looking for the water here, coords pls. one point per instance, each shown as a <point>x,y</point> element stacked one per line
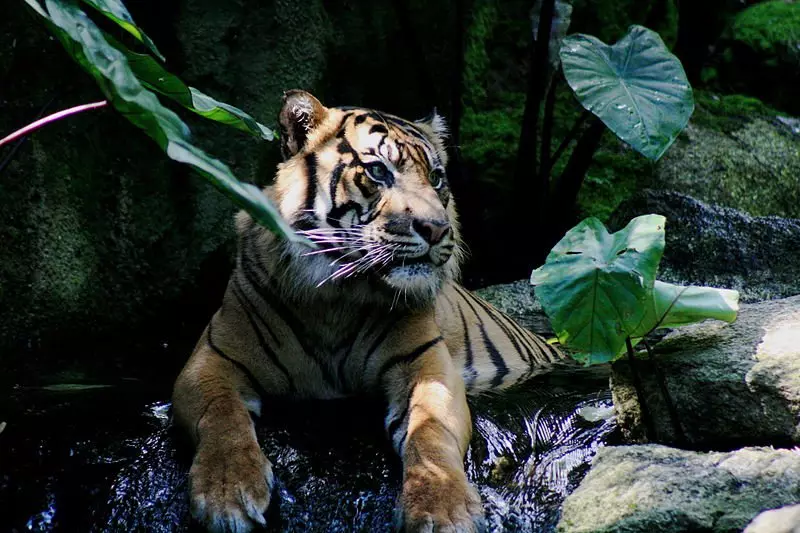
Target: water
<point>106,459</point>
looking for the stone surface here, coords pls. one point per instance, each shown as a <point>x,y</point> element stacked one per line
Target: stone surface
<point>731,384</point>
<point>633,489</point>
<point>736,155</point>
<point>783,520</point>
<point>721,247</point>
<point>518,301</point>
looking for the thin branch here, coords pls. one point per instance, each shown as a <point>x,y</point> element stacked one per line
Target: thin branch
<point>33,126</point>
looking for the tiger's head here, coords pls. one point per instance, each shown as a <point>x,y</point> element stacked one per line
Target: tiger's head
<point>370,190</point>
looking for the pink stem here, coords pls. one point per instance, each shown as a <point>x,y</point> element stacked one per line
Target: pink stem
<point>51,118</point>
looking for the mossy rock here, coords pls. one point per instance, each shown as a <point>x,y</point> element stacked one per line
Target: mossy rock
<point>736,153</point>
<point>761,55</point>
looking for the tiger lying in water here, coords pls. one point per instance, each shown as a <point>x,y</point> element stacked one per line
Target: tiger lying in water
<point>375,309</point>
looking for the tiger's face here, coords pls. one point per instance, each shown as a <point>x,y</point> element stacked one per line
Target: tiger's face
<point>370,190</point>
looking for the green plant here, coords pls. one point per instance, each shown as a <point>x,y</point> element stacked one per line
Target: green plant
<point>636,88</point>
<point>602,296</point>
<point>129,82</point>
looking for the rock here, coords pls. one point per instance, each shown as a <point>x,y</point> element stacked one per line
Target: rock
<point>731,384</point>
<point>783,520</point>
<point>761,56</point>
<point>518,301</point>
<point>737,153</point>
<point>632,489</point>
<point>721,247</point>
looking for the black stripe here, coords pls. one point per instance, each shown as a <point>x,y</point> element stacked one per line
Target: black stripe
<point>497,359</point>
<point>238,287</point>
<point>284,313</point>
<point>378,341</point>
<point>247,307</point>
<point>311,186</point>
<point>336,175</point>
<point>249,375</point>
<point>378,128</point>
<point>408,358</point>
<point>500,323</point>
<point>470,356</point>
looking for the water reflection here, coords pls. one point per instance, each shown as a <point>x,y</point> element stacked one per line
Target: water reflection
<point>122,470</point>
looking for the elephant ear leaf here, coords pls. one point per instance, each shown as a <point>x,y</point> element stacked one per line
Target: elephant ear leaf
<point>636,87</point>
<point>595,286</point>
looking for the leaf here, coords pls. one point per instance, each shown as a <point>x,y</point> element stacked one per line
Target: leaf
<point>636,87</point>
<point>156,77</point>
<point>109,67</point>
<point>116,11</point>
<point>676,305</point>
<point>594,286</point>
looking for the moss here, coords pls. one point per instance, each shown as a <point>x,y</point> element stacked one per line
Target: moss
<point>770,27</point>
<point>728,112</point>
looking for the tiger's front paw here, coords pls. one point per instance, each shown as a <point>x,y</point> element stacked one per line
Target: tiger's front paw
<point>230,487</point>
<point>437,500</point>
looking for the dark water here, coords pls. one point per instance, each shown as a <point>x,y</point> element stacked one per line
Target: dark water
<point>106,459</point>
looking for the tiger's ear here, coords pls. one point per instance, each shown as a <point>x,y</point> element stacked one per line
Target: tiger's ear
<point>436,126</point>
<point>300,114</point>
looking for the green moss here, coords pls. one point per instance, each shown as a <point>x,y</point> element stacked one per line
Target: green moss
<point>772,27</point>
<point>728,112</point>
<point>617,172</point>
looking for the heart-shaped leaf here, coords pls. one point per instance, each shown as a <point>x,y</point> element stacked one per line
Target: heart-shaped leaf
<point>595,286</point>
<point>636,87</point>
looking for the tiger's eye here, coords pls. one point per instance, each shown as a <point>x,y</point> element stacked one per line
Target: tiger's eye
<point>436,177</point>
<point>377,171</point>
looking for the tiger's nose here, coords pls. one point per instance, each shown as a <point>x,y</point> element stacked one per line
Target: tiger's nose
<point>432,231</point>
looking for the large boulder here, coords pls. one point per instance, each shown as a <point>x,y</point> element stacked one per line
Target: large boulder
<point>721,247</point>
<point>640,489</point>
<point>737,153</point>
<point>730,384</point>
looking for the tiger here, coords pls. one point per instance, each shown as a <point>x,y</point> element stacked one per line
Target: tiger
<point>366,303</point>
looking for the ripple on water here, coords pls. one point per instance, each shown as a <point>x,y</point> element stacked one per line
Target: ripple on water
<point>530,448</point>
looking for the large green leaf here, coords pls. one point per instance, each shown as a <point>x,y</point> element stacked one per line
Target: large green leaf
<point>676,305</point>
<point>156,77</point>
<point>636,87</point>
<point>595,286</point>
<point>116,11</point>
<point>109,67</point>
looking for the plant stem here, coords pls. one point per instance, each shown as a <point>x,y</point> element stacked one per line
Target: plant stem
<point>677,428</point>
<point>33,126</point>
<point>649,427</point>
<point>529,186</point>
<point>573,132</point>
<point>547,130</point>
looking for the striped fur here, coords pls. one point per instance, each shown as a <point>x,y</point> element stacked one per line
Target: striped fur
<point>374,309</point>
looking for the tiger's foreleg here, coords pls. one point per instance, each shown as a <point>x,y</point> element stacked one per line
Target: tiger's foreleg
<point>429,425</point>
<point>230,479</point>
